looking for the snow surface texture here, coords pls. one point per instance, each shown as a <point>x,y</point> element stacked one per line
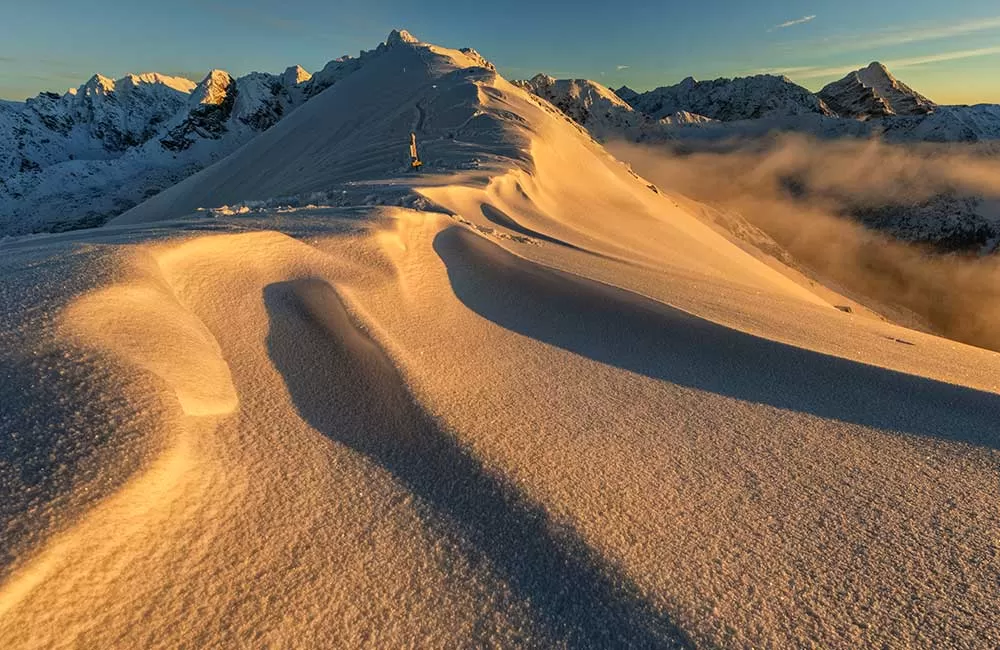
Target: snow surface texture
<point>550,407</point>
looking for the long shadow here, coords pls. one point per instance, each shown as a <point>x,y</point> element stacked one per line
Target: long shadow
<point>344,386</point>
<point>501,218</point>
<point>628,331</point>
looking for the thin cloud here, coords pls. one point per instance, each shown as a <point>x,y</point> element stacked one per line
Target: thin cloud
<point>901,35</point>
<point>790,23</point>
<point>621,67</point>
<point>806,72</point>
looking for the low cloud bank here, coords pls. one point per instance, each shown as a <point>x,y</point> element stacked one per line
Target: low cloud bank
<point>804,193</point>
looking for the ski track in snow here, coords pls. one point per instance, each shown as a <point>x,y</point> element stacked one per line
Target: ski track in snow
<point>550,409</point>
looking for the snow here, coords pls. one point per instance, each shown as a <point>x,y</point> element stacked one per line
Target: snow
<point>873,92</point>
<point>119,142</point>
<point>519,398</point>
<point>684,117</point>
<point>903,99</point>
<point>588,103</point>
<point>742,98</point>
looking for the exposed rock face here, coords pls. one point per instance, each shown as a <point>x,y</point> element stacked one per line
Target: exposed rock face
<point>743,98</point>
<point>626,93</point>
<point>213,103</point>
<point>586,102</point>
<point>75,160</point>
<point>100,119</point>
<point>873,92</point>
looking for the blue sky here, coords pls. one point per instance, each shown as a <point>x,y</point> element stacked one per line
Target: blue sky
<point>948,51</point>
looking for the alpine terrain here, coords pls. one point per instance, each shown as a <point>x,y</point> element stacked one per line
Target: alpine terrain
<point>313,395</point>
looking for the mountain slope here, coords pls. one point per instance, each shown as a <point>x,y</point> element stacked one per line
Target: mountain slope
<point>100,119</point>
<point>587,102</point>
<point>874,92</point>
<point>742,98</point>
<point>77,160</point>
<point>547,399</point>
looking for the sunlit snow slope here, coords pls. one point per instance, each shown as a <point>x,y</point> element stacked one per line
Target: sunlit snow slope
<point>520,398</point>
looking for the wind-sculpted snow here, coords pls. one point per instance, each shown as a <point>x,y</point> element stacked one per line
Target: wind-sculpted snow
<point>547,405</point>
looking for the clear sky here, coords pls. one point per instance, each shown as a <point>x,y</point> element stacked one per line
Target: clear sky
<point>950,51</point>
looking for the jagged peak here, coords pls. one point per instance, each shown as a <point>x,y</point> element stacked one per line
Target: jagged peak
<point>294,75</point>
<point>542,79</point>
<point>400,36</point>
<point>217,75</point>
<point>213,88</point>
<point>98,84</point>
<point>478,58</point>
<point>179,84</point>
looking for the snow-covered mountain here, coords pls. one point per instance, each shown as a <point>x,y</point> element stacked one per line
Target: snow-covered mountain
<point>101,119</point>
<point>684,117</point>
<point>742,98</point>
<point>870,104</point>
<point>80,158</point>
<point>549,398</point>
<point>586,102</point>
<point>75,160</point>
<point>874,92</point>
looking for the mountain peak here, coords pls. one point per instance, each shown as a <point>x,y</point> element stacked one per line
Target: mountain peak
<point>179,84</point>
<point>213,88</point>
<point>871,92</point>
<point>875,75</point>
<point>294,75</point>
<point>626,93</point>
<point>98,84</point>
<point>741,98</point>
<point>542,79</point>
<point>398,36</point>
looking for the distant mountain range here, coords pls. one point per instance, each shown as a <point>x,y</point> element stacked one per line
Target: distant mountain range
<point>867,103</point>
<point>77,159</point>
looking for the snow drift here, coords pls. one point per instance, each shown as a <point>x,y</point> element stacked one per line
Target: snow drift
<point>522,398</point>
